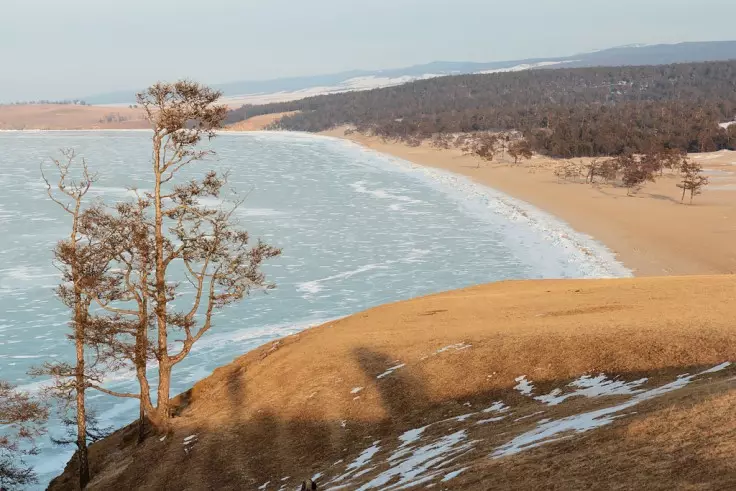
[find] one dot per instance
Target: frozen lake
(358, 229)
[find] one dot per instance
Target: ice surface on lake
(358, 229)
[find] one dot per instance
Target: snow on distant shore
(525, 66)
(368, 82)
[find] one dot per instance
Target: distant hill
(283, 89)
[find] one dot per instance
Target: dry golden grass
(287, 409)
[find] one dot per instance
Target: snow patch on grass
(452, 475)
(455, 347)
(390, 371)
(524, 386)
(549, 431)
(587, 386)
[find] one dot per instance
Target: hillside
(557, 384)
(293, 88)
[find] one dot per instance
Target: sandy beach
(70, 117)
(652, 233)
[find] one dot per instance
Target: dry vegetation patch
(394, 384)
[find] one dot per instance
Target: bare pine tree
(693, 179)
(167, 233)
(635, 172)
(72, 257)
(483, 146)
(520, 149)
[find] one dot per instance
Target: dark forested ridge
(562, 112)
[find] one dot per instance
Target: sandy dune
(69, 117)
(652, 232)
(585, 384)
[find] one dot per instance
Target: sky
(53, 49)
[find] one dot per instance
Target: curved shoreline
(597, 260)
(651, 234)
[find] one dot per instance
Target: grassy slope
(286, 409)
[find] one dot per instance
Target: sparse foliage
(635, 172)
(441, 141)
(569, 170)
(166, 233)
(672, 159)
(693, 179)
(95, 432)
(21, 420)
(76, 258)
(483, 146)
(520, 149)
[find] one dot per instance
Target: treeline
(562, 112)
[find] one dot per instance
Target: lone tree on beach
(672, 159)
(21, 420)
(483, 146)
(635, 172)
(520, 149)
(693, 179)
(441, 141)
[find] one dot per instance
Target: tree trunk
(81, 413)
(80, 323)
(683, 193)
(141, 357)
(141, 424)
(163, 406)
(164, 364)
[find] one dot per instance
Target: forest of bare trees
(562, 112)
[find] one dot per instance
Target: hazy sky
(74, 48)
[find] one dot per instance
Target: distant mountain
(277, 90)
